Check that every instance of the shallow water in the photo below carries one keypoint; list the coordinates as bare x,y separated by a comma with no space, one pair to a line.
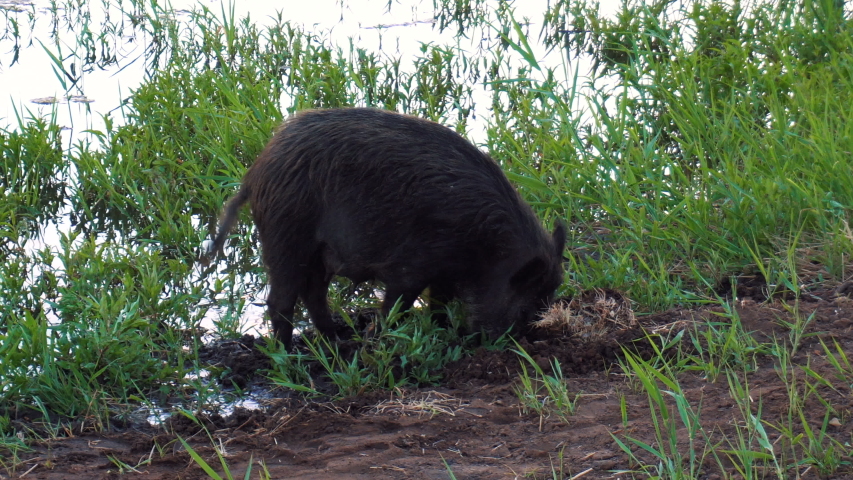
32,81
34,86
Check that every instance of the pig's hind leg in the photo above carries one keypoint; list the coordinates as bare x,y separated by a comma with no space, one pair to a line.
314,295
280,304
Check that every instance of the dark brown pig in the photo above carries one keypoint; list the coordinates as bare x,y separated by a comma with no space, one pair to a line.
374,195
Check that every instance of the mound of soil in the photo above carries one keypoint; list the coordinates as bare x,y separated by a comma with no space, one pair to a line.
238,360
473,424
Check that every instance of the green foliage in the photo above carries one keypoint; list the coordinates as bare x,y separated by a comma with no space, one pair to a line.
698,116
32,177
102,278
723,346
290,370
81,367
805,441
410,351
556,398
670,411
839,360
113,341
751,452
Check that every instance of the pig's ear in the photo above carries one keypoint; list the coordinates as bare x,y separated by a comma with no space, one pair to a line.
559,237
529,275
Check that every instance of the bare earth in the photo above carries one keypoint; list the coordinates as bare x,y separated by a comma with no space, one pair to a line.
473,421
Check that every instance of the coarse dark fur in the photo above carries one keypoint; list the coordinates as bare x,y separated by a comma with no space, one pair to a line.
374,195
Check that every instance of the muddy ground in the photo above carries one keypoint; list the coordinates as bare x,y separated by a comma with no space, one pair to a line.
473,421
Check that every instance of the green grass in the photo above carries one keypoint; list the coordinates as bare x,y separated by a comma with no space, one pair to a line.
720,347
711,140
542,393
32,184
402,351
670,411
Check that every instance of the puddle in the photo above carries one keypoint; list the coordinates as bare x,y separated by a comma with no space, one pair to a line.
224,405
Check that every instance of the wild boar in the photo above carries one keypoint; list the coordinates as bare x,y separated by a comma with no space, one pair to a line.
374,195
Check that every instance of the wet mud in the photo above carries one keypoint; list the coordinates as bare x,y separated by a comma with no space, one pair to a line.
472,423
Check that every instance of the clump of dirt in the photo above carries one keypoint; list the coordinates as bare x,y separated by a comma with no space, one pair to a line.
591,315
750,287
584,334
239,360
